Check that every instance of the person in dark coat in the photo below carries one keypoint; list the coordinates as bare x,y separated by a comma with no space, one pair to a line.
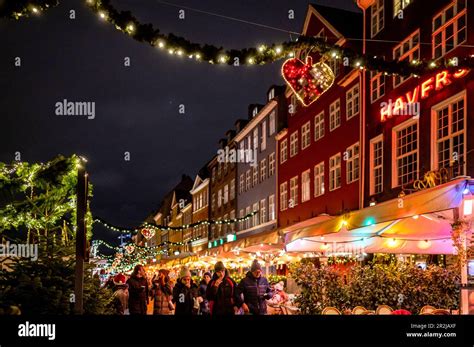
253,290
161,292
204,305
185,294
138,291
221,292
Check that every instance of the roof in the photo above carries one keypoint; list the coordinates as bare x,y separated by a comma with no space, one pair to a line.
348,23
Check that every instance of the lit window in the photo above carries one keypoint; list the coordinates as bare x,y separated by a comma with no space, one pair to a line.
305,186
408,50
263,211
451,136
399,5
335,115
248,181
352,102
263,143
283,196
272,122
263,170
293,107
406,153
232,189
377,85
352,163
283,151
319,179
335,172
294,144
449,28
255,176
377,15
319,126
241,223
271,207
219,198
226,194
335,66
255,139
376,165
248,222
271,94
294,191
241,184
256,215
305,135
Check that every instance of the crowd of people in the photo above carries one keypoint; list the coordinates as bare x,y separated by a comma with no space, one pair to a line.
217,294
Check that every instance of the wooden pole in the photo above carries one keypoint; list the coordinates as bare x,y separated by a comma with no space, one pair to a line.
82,185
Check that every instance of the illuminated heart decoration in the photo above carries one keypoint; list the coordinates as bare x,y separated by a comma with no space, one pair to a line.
308,81
130,248
148,233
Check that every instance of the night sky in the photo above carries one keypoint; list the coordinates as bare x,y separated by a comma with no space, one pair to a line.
137,106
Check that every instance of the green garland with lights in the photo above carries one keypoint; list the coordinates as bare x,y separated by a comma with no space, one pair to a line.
125,22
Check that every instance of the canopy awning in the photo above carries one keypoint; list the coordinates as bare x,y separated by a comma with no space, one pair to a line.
417,223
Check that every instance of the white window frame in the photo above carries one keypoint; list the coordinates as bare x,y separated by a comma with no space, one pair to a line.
271,164
335,172
263,170
283,196
248,221
255,176
263,211
263,144
448,103
353,101
272,122
319,179
353,163
335,115
294,143
377,12
305,185
248,180
395,130
283,151
241,184
294,190
271,207
255,218
319,126
305,135
413,53
444,24
271,94
373,167
255,138
377,85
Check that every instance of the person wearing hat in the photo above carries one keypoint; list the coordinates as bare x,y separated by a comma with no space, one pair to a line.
253,291
138,291
185,294
120,294
204,305
221,292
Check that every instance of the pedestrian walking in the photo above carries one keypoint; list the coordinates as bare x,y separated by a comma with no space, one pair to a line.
161,292
185,294
138,291
221,292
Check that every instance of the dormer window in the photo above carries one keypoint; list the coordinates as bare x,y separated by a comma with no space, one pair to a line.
271,94
255,111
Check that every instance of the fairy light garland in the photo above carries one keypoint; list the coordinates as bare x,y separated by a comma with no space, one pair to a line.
178,46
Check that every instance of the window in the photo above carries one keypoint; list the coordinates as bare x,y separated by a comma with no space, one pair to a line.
271,207
408,50
293,104
272,122
449,28
271,94
319,126
294,144
376,165
255,176
450,127
248,181
294,191
352,102
256,215
255,139
335,172
319,179
263,170
305,135
305,186
219,198
249,143
335,115
283,151
352,163
226,194
283,196
241,184
213,201
263,211
248,222
255,111
232,189
241,223
377,85
377,15
263,143
399,5
335,66
271,164
406,153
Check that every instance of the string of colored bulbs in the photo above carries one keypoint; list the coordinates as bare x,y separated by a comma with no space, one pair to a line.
179,46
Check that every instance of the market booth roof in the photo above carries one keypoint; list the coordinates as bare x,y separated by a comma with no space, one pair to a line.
418,223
